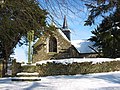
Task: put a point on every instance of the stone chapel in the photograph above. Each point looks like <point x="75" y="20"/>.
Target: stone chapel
<point x="55" y="46"/>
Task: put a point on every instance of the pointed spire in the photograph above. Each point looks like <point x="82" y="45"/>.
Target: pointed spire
<point x="65" y="26"/>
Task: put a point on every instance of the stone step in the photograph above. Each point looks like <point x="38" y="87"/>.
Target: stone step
<point x="26" y="79"/>
<point x="27" y="74"/>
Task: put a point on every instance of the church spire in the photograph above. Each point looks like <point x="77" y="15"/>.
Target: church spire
<point x="65" y="26"/>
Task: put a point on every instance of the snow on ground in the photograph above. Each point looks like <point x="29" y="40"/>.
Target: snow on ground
<point x="99" y="81"/>
<point x="79" y="60"/>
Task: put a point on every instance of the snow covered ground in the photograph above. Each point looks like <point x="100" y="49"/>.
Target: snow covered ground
<point x="99" y="81"/>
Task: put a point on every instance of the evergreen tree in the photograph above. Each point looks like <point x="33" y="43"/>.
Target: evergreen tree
<point x="101" y="8"/>
<point x="17" y="17"/>
<point x="106" y="36"/>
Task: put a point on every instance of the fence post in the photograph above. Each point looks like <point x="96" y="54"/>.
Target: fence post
<point x="13" y="67"/>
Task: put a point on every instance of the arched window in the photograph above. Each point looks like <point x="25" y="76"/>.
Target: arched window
<point x="52" y="44"/>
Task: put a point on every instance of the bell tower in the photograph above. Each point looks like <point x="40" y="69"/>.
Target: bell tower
<point x="65" y="28"/>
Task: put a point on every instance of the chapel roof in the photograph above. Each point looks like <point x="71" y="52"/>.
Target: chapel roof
<point x="83" y="46"/>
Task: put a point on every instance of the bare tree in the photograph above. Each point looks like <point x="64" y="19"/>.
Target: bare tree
<point x="59" y="8"/>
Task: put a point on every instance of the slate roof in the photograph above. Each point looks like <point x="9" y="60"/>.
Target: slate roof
<point x="83" y="46"/>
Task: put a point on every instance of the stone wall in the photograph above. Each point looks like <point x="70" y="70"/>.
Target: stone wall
<point x="16" y="67"/>
<point x="74" y="53"/>
<point x="89" y="55"/>
<point x="52" y="68"/>
<point x="1" y="68"/>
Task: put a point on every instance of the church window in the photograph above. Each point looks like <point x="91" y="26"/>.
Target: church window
<point x="52" y="44"/>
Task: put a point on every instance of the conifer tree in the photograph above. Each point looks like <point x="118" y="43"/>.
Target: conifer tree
<point x="17" y="17"/>
<point x="101" y="8"/>
<point x="107" y="36"/>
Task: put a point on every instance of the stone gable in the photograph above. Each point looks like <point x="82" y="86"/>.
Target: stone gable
<point x="64" y="48"/>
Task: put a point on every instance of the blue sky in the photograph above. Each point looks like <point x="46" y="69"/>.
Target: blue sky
<point x="75" y="23"/>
